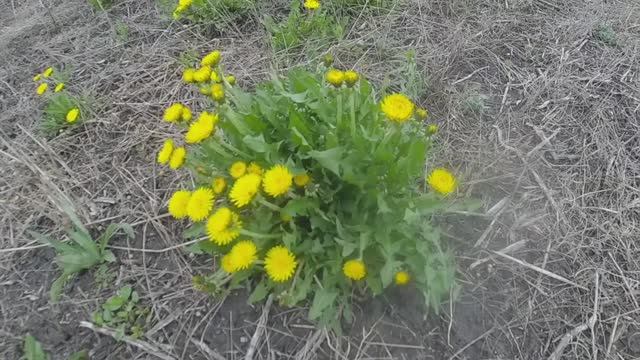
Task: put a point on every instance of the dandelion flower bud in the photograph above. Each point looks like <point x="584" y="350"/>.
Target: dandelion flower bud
<point x="231" y="80"/>
<point x="72" y="115"/>
<point x="37" y="77"/>
<point x="327" y="60"/>
<point x="215" y="77"/>
<point x="42" y="88"/>
<point x="422" y="113"/>
<point x="217" y="92"/>
<point x="59" y="87"/>
<point x="48" y="72"/>
<point x="432" y="129"/>
<point x="211" y="59"/>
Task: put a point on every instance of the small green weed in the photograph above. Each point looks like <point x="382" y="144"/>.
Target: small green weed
<point x="303" y="30"/>
<point x="103" y="277"/>
<point x="57" y="110"/>
<point x="413" y="82"/>
<point x="33" y="351"/>
<point x="123" y="313"/>
<point x="101" y="4"/>
<point x="81" y="253"/>
<point x="218" y="13"/>
<point x="122" y="31"/>
<point x="606" y="35"/>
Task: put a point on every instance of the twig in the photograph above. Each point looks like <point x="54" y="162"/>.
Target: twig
<point x="211" y="353"/>
<point x="142" y="345"/>
<point x="566" y="339"/>
<point x="457" y="353"/>
<point x="259" y="329"/>
<point x="310" y="346"/>
<point x="469" y="76"/>
<point x="511" y="248"/>
<point x="540" y="270"/>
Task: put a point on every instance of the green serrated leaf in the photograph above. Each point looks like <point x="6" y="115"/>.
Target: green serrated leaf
<point x="329" y="159"/>
<point x="259" y="293"/>
<point x="322" y="299"/>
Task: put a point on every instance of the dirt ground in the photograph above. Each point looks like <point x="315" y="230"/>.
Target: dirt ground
<point x="538" y="102"/>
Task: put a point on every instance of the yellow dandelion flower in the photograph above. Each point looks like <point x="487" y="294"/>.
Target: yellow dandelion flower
<point x="165" y="152"/>
<point x="311" y="4"/>
<point x="211" y="59"/>
<point x="200" y="204"/>
<point x="442" y="181"/>
<point x="177" y="157"/>
<point x="244" y="189"/>
<point x="217" y="92"/>
<point x="215" y="77"/>
<point x="47" y="72"/>
<point x="37" y="77"/>
<point x="223" y="226"/>
<point x="397" y="107"/>
<point x="277" y="180"/>
<point x="254" y="168"/>
<point x="188" y="75"/>
<point x="42" y="88"/>
<point x="202" y="74"/>
<point x="186" y="114"/>
<point x="402" y="278"/>
<point x="231" y="79"/>
<point x="185" y="3"/>
<point x="422" y="113"/>
<point x="73" y="115"/>
<point x="243" y="254"/>
<point x="354" y="269"/>
<point x="178" y="204"/>
<point x="59" y="87"/>
<point x="227" y="264"/>
<point x="351" y="77"/>
<point x="238" y="169"/>
<point x="173" y="113"/>
<point x="280" y="264"/>
<point x="432" y="129"/>
<point x="302" y="180"/>
<point x="219" y="184"/>
<point x="335" y="77"/>
<point x="200" y="129"/>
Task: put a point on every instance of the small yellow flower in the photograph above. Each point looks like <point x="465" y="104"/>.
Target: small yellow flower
<point x="186" y="114"/>
<point x="402" y="278"/>
<point x="219" y="184"/>
<point x="185" y="3"/>
<point x="165" y="152"/>
<point x="302" y="180"/>
<point x="37" y="77"/>
<point x="238" y="169"/>
<point x="244" y="189"/>
<point x="202" y="74"/>
<point x="311" y="4"/>
<point x="442" y="181"/>
<point x="280" y="264"/>
<point x="201" y="129"/>
<point x="42" y="88"/>
<point x="422" y="113"/>
<point x="215" y="77"/>
<point x="243" y="254"/>
<point x="178" y="204"/>
<point x="173" y="113"/>
<point x="188" y="75"/>
<point x="227" y="264"/>
<point x="59" y="87"/>
<point x="254" y="168"/>
<point x="217" y="92"/>
<point x="354" y="269"/>
<point x="48" y="72"/>
<point x="351" y="77"/>
<point x="335" y="77"/>
<point x="177" y="158"/>
<point x="200" y="204"/>
<point x="211" y="59"/>
<point x="231" y="79"/>
<point x="223" y="226"/>
<point x="432" y="129"/>
<point x="73" y="115"/>
<point x="277" y="180"/>
<point x="397" y="107"/>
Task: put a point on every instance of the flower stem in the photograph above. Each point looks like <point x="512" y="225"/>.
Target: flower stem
<point x="352" y="104"/>
<point x="271" y="206"/>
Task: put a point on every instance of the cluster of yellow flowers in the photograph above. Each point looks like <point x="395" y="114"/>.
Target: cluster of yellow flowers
<point x="183" y="5"/>
<point x="41" y="78"/>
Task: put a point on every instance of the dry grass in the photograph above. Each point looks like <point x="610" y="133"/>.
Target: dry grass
<point x="538" y="113"/>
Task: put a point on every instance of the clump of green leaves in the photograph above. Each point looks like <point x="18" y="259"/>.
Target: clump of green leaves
<point x="123" y="313"/>
<point x="81" y="252"/>
<point x="304" y="30"/>
<point x="33" y="351"/>
<point x="220" y="14"/>
<point x="55" y="113"/>
<point x="606" y="34"/>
